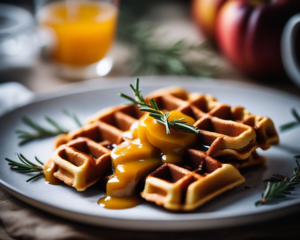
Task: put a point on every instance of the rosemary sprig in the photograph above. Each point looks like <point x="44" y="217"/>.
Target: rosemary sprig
<point x="41" y="132"/>
<point x="26" y="166"/>
<point x="291" y="125"/>
<point x="278" y="186"/>
<point x="151" y="57"/>
<point x="157" y="114"/>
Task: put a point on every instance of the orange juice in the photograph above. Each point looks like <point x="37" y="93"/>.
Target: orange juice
<point x="84" y="30"/>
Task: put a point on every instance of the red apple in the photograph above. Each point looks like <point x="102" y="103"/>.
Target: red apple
<point x="249" y="33"/>
<point x="204" y="13"/>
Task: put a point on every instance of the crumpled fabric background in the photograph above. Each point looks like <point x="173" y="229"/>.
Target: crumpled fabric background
<point x="19" y="220"/>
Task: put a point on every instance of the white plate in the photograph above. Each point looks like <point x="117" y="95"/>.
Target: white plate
<point x="234" y="207"/>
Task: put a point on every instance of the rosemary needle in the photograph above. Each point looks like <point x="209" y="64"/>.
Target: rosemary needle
<point x="73" y="116"/>
<point x="42" y="132"/>
<point x="278" y="186"/>
<point x="157" y="114"/>
<point x="291" y="125"/>
<point x="26" y="166"/>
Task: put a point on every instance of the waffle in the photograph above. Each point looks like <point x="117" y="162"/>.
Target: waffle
<point x="177" y="188"/>
<point x="264" y="126"/>
<point x="107" y="126"/>
<point x="80" y="163"/>
<point x="230" y="132"/>
<point x="253" y="160"/>
<point x="231" y="136"/>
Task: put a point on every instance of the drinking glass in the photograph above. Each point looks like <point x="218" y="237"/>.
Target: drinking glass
<point x="82" y="32"/>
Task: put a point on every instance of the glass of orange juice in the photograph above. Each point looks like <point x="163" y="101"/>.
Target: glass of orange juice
<point x="83" y="32"/>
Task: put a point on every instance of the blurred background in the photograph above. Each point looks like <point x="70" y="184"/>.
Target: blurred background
<point x="45" y="44"/>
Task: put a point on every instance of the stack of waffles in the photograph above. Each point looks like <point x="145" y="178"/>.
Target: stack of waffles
<point x="227" y="142"/>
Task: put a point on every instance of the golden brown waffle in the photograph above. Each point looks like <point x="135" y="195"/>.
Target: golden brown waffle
<point x="264" y="126"/>
<point x="80" y="163"/>
<point x="177" y="188"/>
<point x="230" y="132"/>
<point x="107" y="125"/>
<point x="254" y="160"/>
<point x="231" y="135"/>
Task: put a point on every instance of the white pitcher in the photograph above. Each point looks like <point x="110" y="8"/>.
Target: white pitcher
<point x="288" y="52"/>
